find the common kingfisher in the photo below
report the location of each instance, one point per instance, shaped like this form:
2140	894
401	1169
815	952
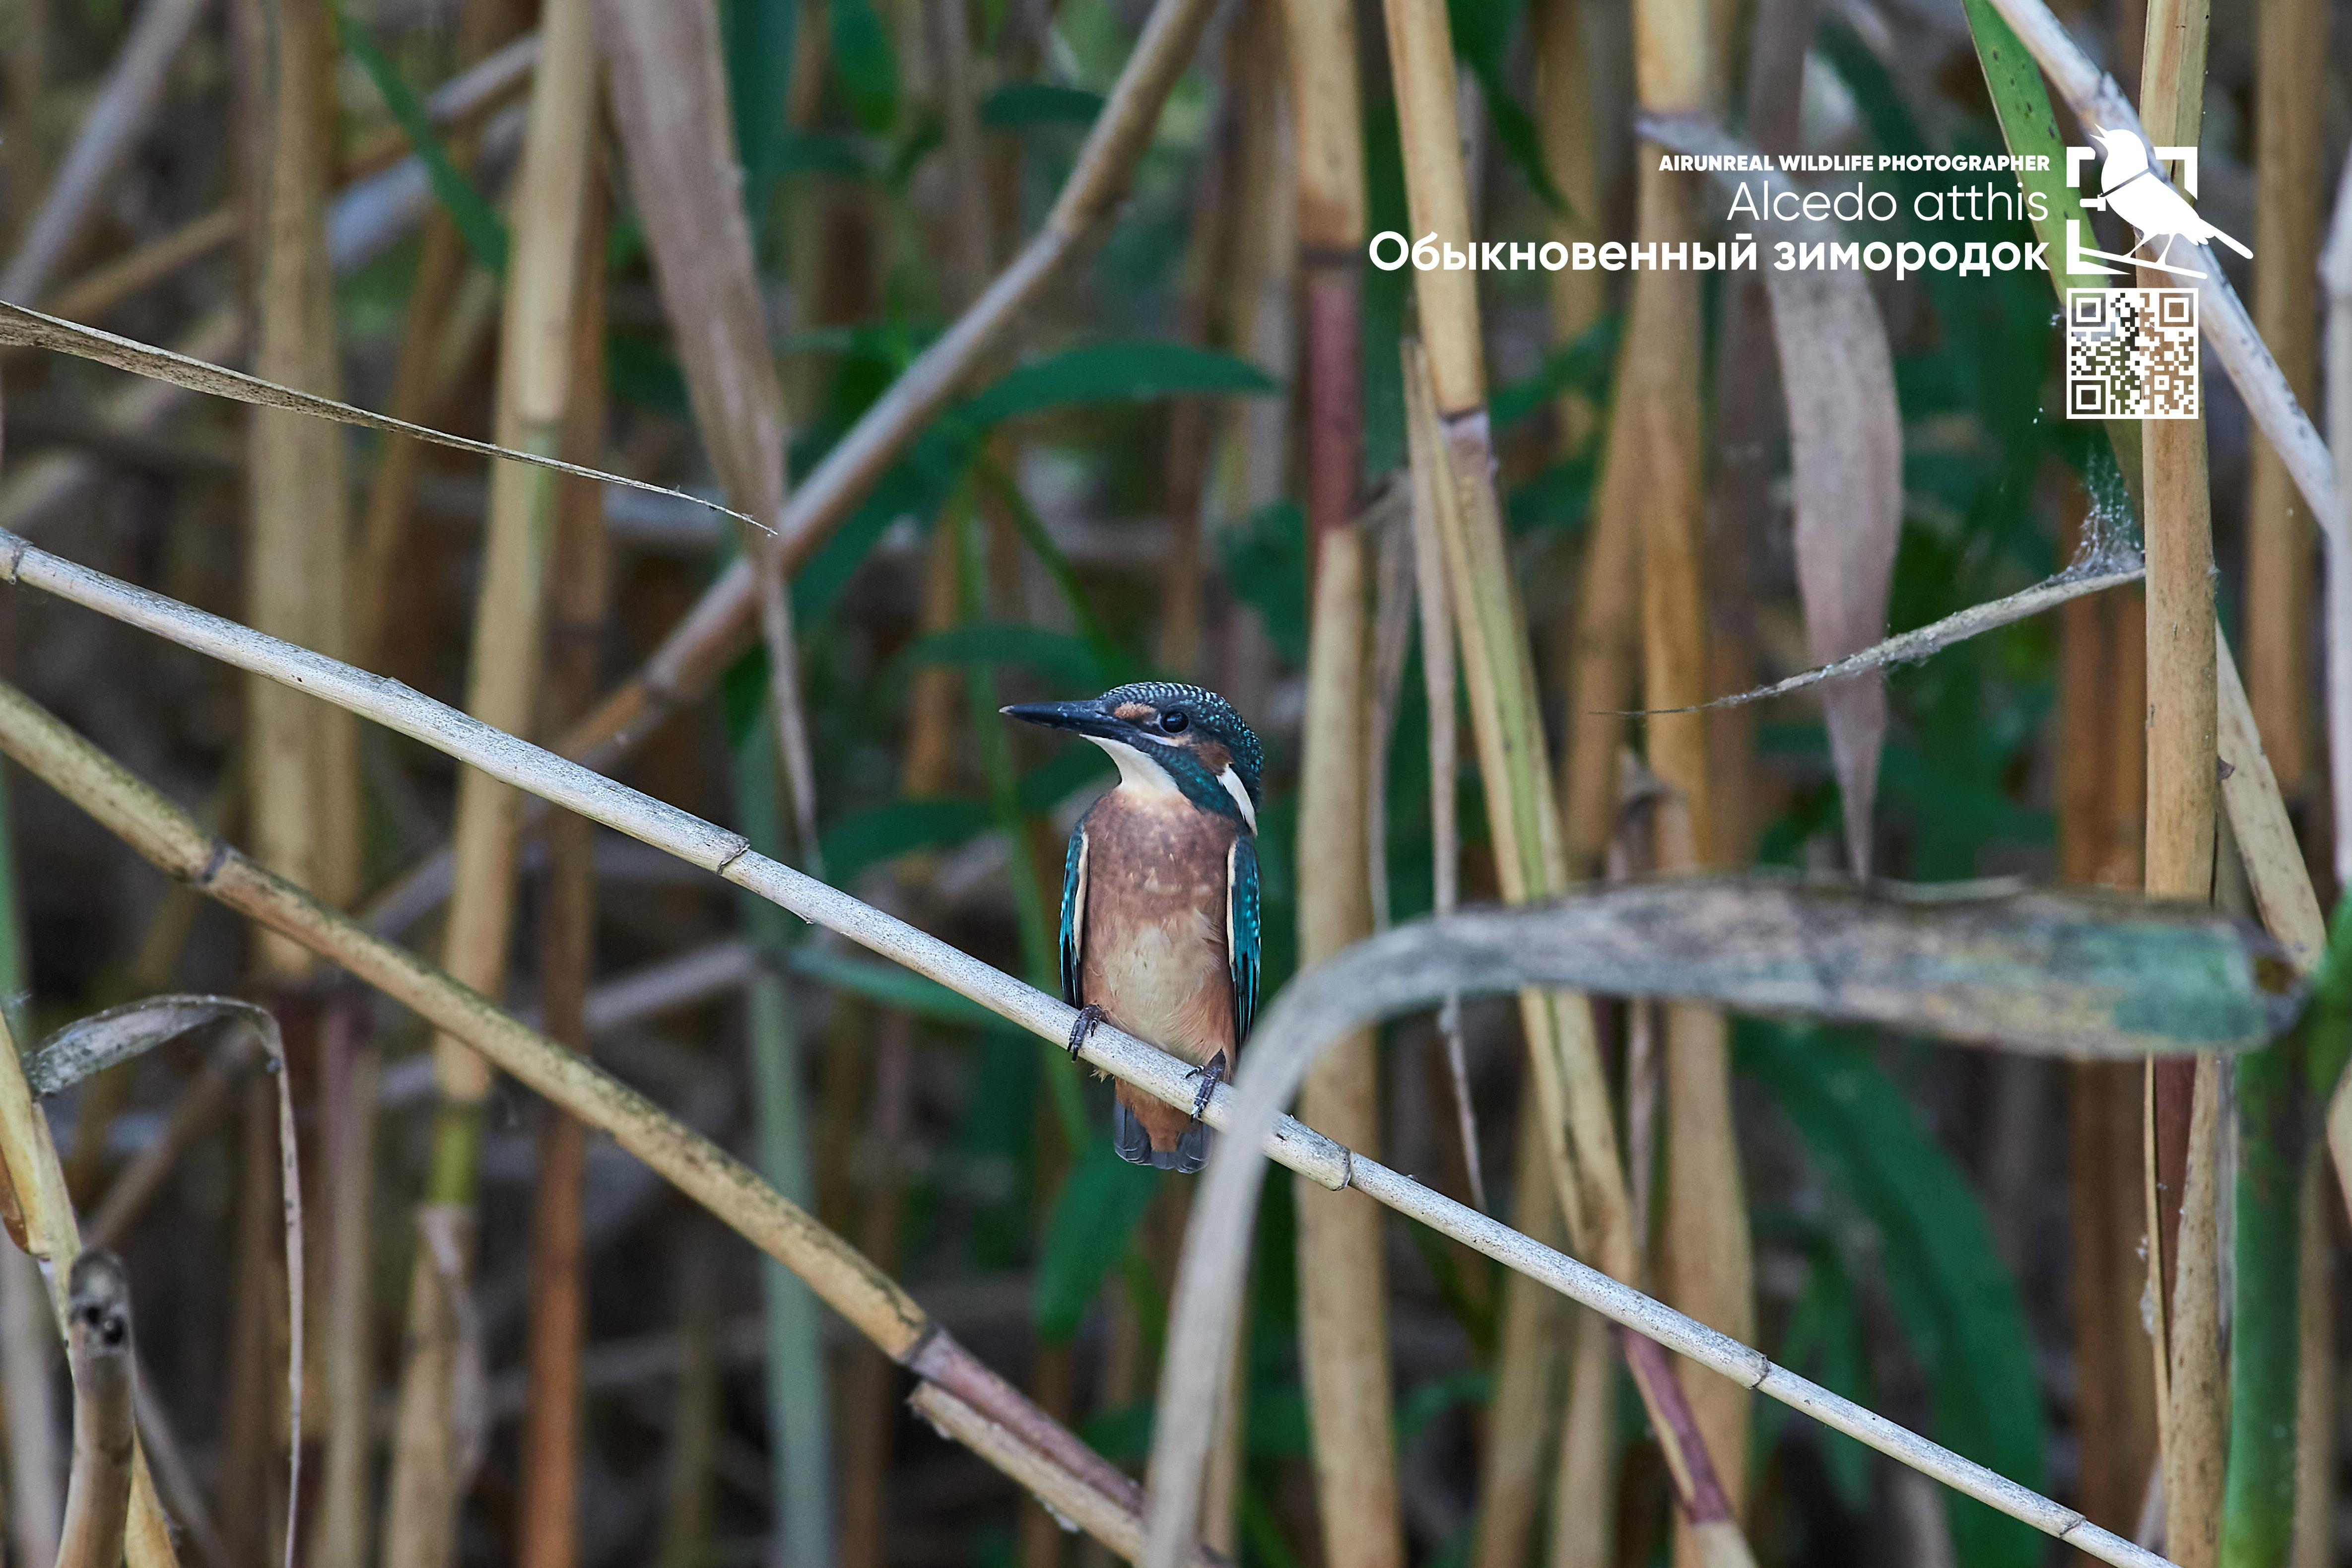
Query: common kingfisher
1160	897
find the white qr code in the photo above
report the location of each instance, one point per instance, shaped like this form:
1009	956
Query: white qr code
2131	354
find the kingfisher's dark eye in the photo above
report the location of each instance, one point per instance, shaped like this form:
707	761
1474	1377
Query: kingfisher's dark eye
1174	722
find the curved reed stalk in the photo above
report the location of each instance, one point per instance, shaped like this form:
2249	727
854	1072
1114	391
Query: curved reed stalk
2026	981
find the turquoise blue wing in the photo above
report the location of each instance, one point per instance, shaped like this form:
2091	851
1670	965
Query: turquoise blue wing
1074	915
1245	933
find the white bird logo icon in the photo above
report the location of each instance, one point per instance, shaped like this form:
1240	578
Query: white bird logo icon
2129	188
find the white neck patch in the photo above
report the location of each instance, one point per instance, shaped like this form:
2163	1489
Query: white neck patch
1240	791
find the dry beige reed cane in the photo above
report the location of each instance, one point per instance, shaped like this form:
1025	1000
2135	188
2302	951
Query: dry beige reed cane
2177	525
504	666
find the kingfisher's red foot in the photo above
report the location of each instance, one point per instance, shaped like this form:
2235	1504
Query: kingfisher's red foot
1083	1026
1209	1076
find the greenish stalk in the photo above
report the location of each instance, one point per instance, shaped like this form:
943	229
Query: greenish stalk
2281	1092
1039	946
799	1411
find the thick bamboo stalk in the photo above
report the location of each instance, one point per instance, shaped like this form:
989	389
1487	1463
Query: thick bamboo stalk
2181	800
303	772
2291	51
502	688
1343	1285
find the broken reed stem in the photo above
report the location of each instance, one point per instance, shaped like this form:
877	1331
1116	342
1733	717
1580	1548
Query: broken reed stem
2176	523
97	1346
133	89
303	769
871	1302
51	1235
2291	54
164	835
503	673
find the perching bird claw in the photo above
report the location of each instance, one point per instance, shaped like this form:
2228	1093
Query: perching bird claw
1209	1076
1083	1026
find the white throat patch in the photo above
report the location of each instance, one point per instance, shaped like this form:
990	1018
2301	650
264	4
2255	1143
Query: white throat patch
1137	770
1140	772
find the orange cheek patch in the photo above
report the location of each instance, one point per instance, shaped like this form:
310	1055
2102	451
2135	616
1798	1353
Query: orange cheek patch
1213	756
1135	713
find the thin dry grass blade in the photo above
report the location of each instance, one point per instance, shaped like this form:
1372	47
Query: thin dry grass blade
192	373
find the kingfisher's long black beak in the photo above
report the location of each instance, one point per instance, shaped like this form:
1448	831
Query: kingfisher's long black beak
1089	718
